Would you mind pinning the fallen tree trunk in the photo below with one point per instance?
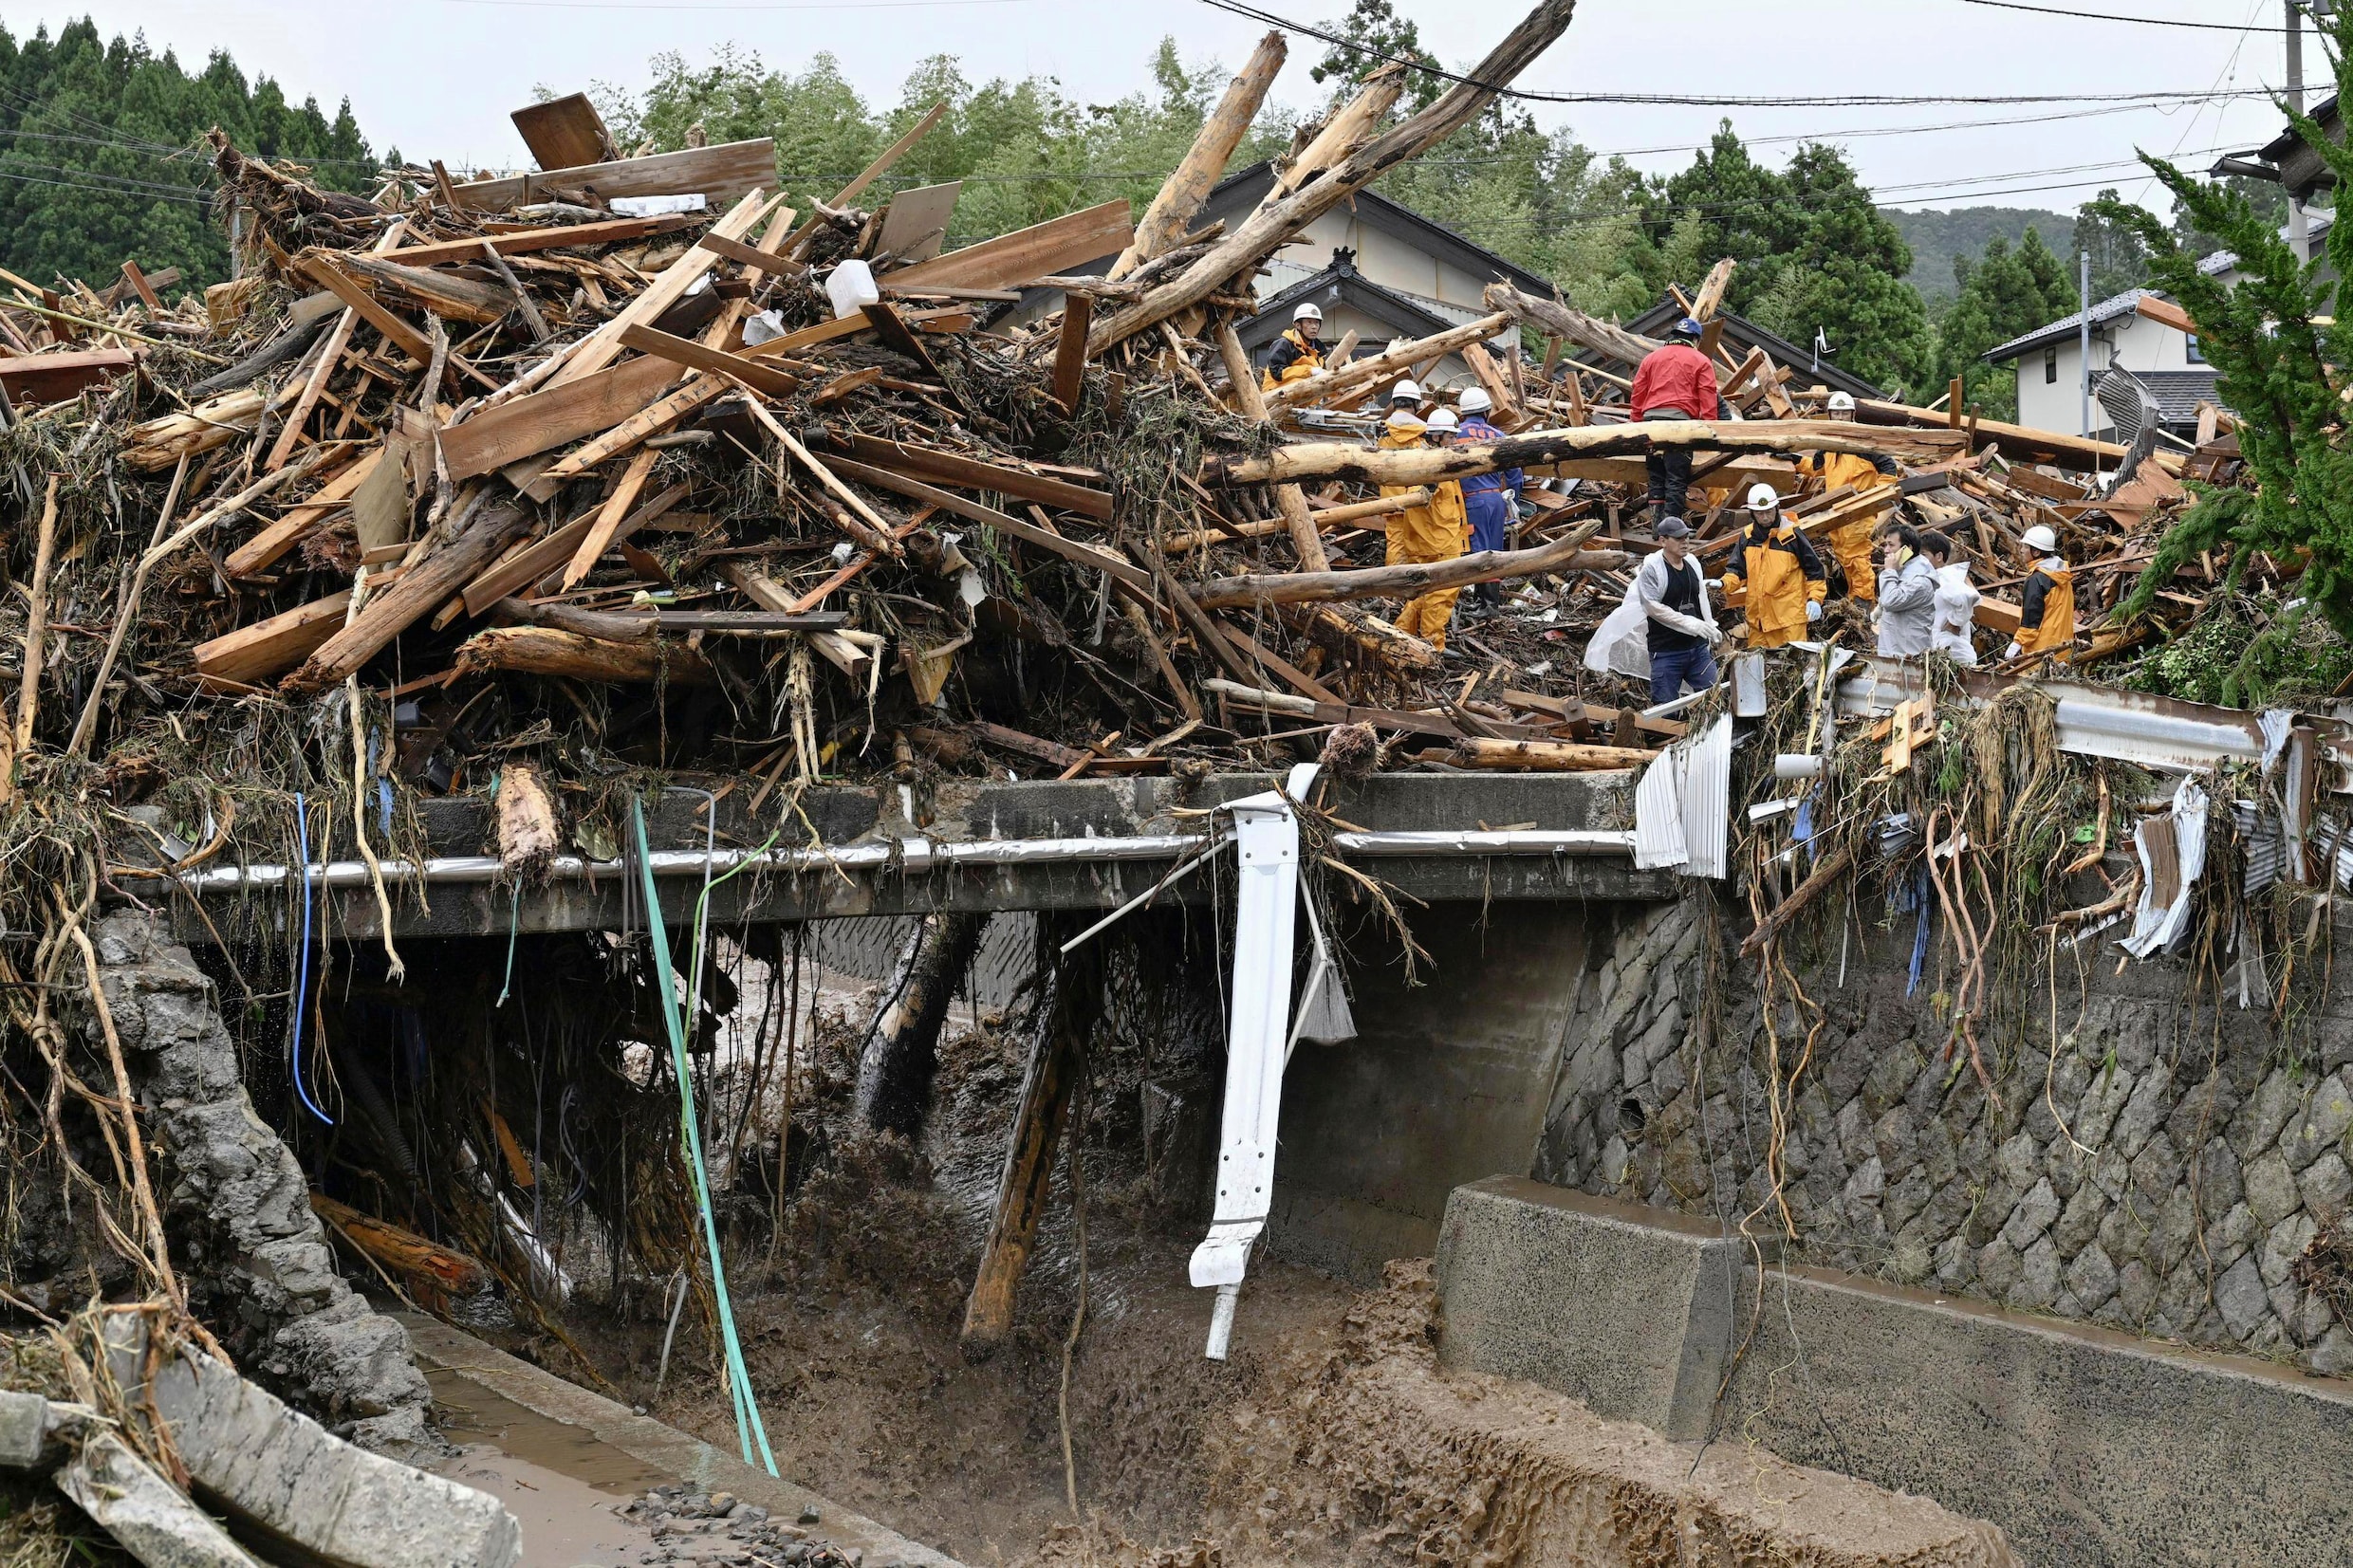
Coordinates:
(1346, 460)
(901, 1052)
(1394, 582)
(1268, 229)
(544, 651)
(421, 590)
(1329, 517)
(1164, 223)
(1289, 499)
(1553, 319)
(2019, 443)
(1545, 756)
(1363, 638)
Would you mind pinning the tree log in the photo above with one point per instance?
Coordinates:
(1289, 499)
(1394, 582)
(1553, 319)
(1545, 756)
(420, 592)
(1268, 229)
(449, 295)
(1346, 460)
(1362, 638)
(901, 1052)
(1164, 223)
(1028, 1173)
(544, 651)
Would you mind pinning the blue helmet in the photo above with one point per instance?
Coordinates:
(1689, 328)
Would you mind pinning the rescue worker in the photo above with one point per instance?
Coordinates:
(1784, 577)
(1907, 612)
(1406, 394)
(2046, 603)
(1674, 382)
(1419, 535)
(1296, 355)
(1488, 497)
(1851, 543)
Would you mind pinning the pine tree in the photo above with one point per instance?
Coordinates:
(2002, 294)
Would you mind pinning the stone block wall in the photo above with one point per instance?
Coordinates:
(2159, 1170)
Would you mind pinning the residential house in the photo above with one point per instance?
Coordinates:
(2136, 339)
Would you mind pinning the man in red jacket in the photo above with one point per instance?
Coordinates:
(1674, 383)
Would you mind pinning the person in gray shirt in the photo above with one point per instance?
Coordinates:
(1907, 611)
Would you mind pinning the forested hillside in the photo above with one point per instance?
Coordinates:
(1936, 239)
(101, 153)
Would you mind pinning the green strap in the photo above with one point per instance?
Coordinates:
(748, 1423)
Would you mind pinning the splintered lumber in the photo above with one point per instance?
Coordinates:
(1397, 362)
(54, 377)
(1545, 756)
(274, 541)
(526, 426)
(766, 380)
(417, 594)
(603, 345)
(1343, 132)
(2019, 443)
(1180, 196)
(721, 172)
(1025, 254)
(1406, 581)
(1553, 319)
(1353, 513)
(1070, 351)
(948, 467)
(546, 651)
(867, 175)
(161, 442)
(1271, 226)
(1541, 449)
(550, 237)
(611, 515)
(1070, 549)
(545, 557)
(768, 594)
(326, 269)
(653, 421)
(565, 133)
(449, 295)
(1027, 1181)
(253, 652)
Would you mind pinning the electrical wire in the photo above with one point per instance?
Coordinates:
(2113, 16)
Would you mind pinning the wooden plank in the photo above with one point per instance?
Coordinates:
(722, 173)
(53, 377)
(752, 256)
(916, 222)
(602, 347)
(810, 337)
(1027, 253)
(534, 423)
(551, 237)
(565, 133)
(653, 420)
(2165, 313)
(256, 553)
(421, 588)
(1070, 549)
(253, 652)
(893, 329)
(867, 175)
(611, 515)
(766, 380)
(137, 279)
(323, 269)
(947, 468)
(1078, 313)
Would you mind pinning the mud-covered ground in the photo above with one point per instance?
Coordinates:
(1331, 1437)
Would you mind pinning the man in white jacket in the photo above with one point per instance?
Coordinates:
(1956, 598)
(1666, 627)
(1907, 593)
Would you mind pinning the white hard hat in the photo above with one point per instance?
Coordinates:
(1307, 312)
(1405, 418)
(2039, 538)
(1476, 401)
(1443, 418)
(1763, 498)
(1842, 402)
(1405, 392)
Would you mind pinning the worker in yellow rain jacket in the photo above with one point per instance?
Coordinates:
(1783, 575)
(1296, 355)
(2046, 603)
(1419, 535)
(1851, 544)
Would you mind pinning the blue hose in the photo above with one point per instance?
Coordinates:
(302, 983)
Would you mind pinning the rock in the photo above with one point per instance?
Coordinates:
(2033, 1215)
(2321, 1120)
(2240, 1297)
(2091, 1278)
(2325, 1184)
(2271, 1188)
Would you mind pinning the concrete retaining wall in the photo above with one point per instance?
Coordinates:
(2158, 1167)
(2086, 1446)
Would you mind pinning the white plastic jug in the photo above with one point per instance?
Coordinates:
(851, 289)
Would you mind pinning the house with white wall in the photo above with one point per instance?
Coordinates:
(2137, 333)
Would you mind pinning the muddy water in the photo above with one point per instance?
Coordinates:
(564, 1487)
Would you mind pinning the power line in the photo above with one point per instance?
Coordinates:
(2114, 16)
(1708, 100)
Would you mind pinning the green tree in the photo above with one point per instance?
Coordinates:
(2001, 295)
(1381, 34)
(2119, 252)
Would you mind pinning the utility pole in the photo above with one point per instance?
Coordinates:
(2083, 337)
(2297, 239)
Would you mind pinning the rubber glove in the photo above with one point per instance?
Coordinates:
(1813, 610)
(2012, 650)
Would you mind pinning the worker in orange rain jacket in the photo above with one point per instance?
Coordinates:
(1296, 355)
(2046, 603)
(1422, 534)
(1851, 543)
(1784, 576)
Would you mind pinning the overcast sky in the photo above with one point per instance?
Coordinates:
(436, 78)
